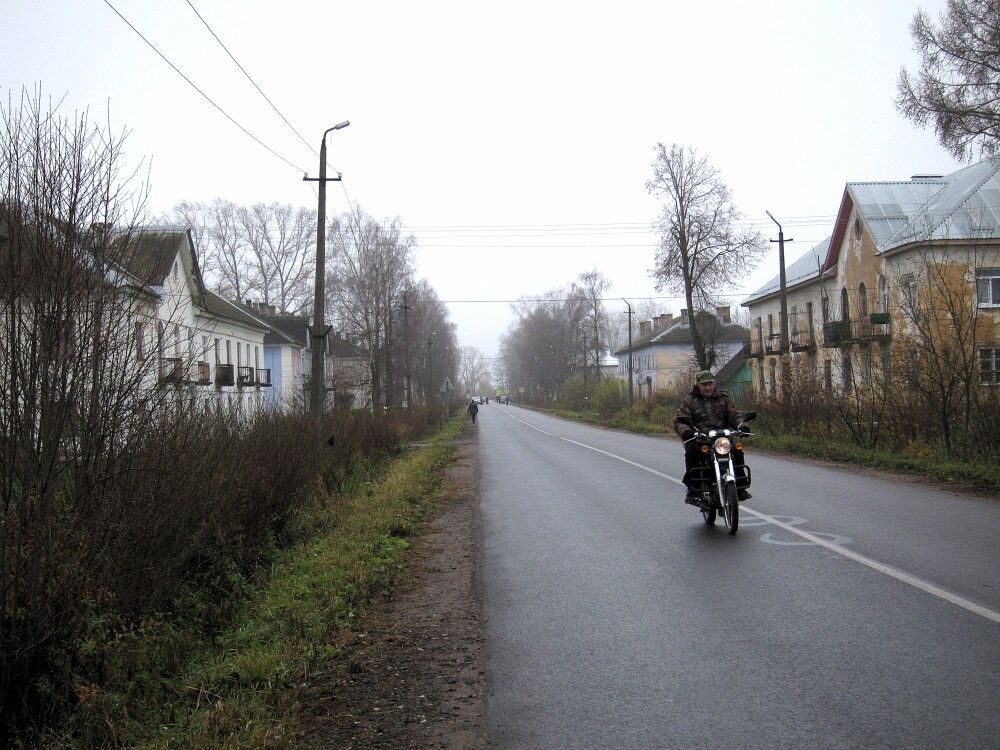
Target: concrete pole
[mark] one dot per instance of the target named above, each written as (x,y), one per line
(319,329)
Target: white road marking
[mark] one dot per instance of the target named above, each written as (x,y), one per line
(888,570)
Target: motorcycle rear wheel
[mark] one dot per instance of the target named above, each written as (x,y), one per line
(731,508)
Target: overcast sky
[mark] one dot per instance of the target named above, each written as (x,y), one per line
(513,139)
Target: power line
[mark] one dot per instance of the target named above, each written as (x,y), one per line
(206,96)
(277,111)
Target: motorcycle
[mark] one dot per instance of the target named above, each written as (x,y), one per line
(716,484)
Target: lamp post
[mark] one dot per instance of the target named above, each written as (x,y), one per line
(319,329)
(784,306)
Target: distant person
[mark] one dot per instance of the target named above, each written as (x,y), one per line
(473,410)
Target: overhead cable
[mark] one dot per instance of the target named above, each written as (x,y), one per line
(242,70)
(206,96)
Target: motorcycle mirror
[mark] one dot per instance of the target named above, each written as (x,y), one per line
(749,416)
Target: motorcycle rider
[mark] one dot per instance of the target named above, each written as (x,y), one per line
(707,409)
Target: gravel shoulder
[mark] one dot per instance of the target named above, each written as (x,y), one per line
(413,674)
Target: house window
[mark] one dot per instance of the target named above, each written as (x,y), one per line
(140,347)
(845,309)
(239,355)
(809,318)
(988,286)
(862,301)
(989,365)
(909,288)
(828,375)
(848,371)
(825,309)
(883,294)
(229,352)
(857,228)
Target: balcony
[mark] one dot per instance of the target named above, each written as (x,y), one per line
(869,328)
(264,377)
(224,375)
(245,377)
(201,373)
(802,341)
(172,370)
(836,333)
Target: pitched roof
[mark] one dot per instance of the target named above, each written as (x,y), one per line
(149,253)
(802,271)
(961,205)
(222,307)
(680,333)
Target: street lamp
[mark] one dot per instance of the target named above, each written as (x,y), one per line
(319,329)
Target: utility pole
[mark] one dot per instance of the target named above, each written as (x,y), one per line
(629,349)
(406,351)
(429,388)
(783,345)
(584,369)
(319,329)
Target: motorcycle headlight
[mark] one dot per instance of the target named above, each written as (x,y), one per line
(722,446)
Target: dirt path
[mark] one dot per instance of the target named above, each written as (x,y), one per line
(414,674)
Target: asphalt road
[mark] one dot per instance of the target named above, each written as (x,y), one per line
(850,611)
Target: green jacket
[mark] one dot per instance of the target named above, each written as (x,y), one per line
(706,414)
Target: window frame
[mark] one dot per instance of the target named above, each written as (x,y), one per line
(991,277)
(994,371)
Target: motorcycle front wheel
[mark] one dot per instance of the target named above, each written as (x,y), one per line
(709,514)
(731,508)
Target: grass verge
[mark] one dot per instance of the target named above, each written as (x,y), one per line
(240,688)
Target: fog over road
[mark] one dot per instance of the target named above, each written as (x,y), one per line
(849,611)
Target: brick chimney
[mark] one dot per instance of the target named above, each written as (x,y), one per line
(644,327)
(684,317)
(723,313)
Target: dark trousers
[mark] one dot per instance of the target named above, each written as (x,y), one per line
(694,458)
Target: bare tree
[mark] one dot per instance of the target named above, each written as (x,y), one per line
(592,287)
(702,249)
(475,370)
(372,267)
(224,250)
(957,89)
(72,383)
(282,253)
(266,251)
(545,345)
(939,354)
(432,342)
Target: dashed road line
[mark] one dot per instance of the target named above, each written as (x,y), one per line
(833,546)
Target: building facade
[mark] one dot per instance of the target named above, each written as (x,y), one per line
(907,261)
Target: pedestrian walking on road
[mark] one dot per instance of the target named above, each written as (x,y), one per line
(473,410)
